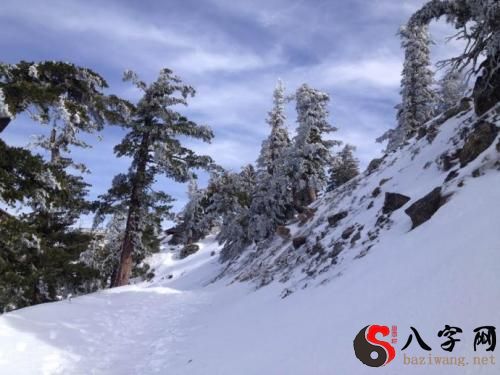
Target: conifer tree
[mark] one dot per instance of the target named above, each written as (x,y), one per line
(272,196)
(310,154)
(153,144)
(452,88)
(344,167)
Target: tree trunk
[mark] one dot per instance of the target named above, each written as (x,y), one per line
(124,270)
(55,154)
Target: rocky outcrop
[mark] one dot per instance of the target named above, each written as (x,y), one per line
(423,209)
(188,250)
(283,231)
(393,202)
(299,241)
(477,142)
(374,165)
(334,219)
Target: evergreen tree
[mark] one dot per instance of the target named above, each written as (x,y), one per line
(344,167)
(418,98)
(452,88)
(230,197)
(153,145)
(193,222)
(310,154)
(69,98)
(272,197)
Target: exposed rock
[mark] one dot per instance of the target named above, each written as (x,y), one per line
(476,173)
(383,181)
(394,201)
(498,146)
(283,231)
(177,236)
(373,165)
(356,237)
(188,250)
(334,219)
(376,192)
(370,205)
(299,241)
(447,162)
(478,141)
(422,132)
(348,232)
(451,176)
(423,209)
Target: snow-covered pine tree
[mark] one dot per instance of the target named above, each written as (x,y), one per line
(272,197)
(451,88)
(193,222)
(230,197)
(310,154)
(153,144)
(344,167)
(418,97)
(477,22)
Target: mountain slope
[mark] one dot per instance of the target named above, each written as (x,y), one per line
(445,271)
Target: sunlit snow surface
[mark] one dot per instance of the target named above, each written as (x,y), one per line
(447,271)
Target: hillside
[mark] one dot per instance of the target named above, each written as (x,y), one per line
(359,262)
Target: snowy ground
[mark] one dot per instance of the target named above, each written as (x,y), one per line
(181,326)
(446,271)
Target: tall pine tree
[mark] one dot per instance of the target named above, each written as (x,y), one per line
(153,143)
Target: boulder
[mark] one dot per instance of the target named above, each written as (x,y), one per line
(188,250)
(334,219)
(348,232)
(299,241)
(477,142)
(283,231)
(423,209)
(376,192)
(373,165)
(394,201)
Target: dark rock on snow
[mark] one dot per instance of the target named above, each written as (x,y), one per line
(394,201)
(188,250)
(423,209)
(299,241)
(478,141)
(348,232)
(283,231)
(334,219)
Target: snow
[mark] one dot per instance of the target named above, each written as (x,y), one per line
(445,271)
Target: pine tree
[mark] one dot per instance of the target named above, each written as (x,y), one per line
(452,88)
(310,154)
(344,167)
(272,196)
(193,222)
(153,145)
(418,98)
(230,197)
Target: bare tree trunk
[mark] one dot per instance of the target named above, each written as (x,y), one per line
(124,270)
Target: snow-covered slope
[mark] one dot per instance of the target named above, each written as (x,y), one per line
(445,271)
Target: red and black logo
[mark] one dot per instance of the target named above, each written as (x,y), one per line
(372,351)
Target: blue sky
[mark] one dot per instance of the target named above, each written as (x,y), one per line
(232,52)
